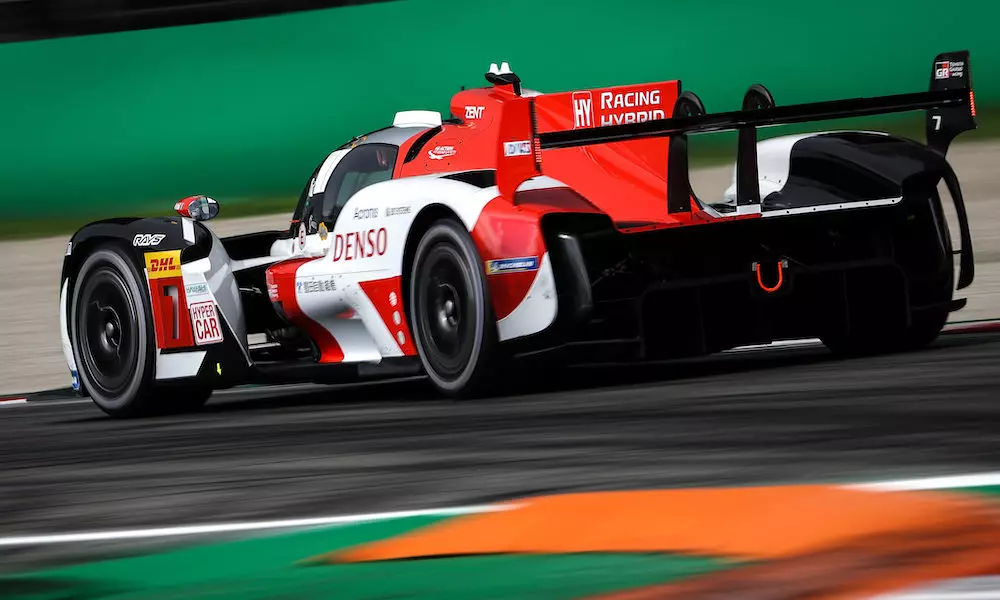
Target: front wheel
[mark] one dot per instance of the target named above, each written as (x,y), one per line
(455,331)
(113,340)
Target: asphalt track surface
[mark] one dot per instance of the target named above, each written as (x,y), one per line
(777,416)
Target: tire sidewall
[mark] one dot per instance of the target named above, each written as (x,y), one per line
(131,400)
(449,231)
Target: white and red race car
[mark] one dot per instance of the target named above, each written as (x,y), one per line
(534,225)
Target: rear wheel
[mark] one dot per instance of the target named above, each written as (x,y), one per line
(931,279)
(924,329)
(455,331)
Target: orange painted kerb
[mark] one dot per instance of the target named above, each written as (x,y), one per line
(762,523)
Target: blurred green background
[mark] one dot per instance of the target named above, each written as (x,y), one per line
(126,123)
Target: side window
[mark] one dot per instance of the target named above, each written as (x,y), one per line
(363,166)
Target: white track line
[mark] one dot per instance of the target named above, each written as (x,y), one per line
(928,483)
(13,402)
(128,534)
(948,482)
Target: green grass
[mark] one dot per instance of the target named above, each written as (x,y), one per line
(277,567)
(706,151)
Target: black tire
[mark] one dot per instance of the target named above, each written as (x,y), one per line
(923,331)
(453,323)
(925,327)
(113,340)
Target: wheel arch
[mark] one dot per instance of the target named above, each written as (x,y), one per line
(192,239)
(427,216)
(82,244)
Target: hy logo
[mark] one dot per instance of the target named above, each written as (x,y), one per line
(583,109)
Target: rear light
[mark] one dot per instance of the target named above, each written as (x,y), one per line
(972,102)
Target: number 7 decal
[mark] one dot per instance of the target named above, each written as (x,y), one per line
(170,291)
(171,320)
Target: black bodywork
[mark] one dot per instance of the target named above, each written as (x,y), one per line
(874,268)
(694,290)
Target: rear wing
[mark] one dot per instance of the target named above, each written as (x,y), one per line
(950,106)
(524,135)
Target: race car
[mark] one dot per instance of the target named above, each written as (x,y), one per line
(536,228)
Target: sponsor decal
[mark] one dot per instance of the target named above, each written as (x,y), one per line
(205,322)
(474,112)
(949,69)
(617,108)
(521,148)
(194,290)
(512,265)
(366,213)
(355,245)
(583,109)
(76,380)
(397,210)
(163,264)
(313,285)
(323,232)
(441,152)
(148,239)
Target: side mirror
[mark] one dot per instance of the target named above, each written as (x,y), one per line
(199,208)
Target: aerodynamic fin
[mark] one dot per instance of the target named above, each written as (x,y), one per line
(951,73)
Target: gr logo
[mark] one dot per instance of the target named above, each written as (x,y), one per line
(942,70)
(583,109)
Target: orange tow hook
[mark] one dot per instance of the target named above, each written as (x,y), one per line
(782,265)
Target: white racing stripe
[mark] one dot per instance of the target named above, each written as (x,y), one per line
(13,402)
(158,532)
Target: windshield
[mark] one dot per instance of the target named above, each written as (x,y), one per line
(343,174)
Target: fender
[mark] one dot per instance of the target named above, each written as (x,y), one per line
(378,228)
(197,268)
(510,242)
